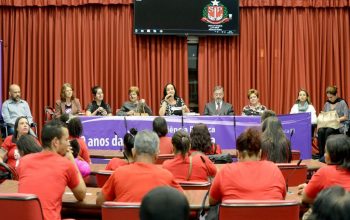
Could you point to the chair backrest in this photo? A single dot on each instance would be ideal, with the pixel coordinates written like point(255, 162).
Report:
point(102, 176)
point(163, 157)
point(295, 154)
point(49, 113)
point(294, 175)
point(259, 209)
point(20, 206)
point(194, 185)
point(120, 210)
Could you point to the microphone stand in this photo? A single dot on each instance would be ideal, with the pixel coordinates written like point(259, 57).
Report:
point(234, 126)
point(182, 121)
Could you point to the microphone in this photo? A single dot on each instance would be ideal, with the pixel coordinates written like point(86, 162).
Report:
point(125, 125)
point(182, 121)
point(115, 133)
point(234, 126)
point(293, 171)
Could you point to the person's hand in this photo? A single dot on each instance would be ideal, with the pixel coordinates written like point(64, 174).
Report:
point(69, 154)
point(167, 97)
point(301, 188)
point(131, 112)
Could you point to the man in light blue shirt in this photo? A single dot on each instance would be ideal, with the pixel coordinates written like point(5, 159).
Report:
point(15, 107)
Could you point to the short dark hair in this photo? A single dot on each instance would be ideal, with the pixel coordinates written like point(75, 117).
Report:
point(52, 129)
point(249, 142)
point(331, 203)
point(338, 149)
point(333, 90)
point(15, 133)
point(26, 144)
point(181, 141)
point(75, 147)
point(94, 89)
point(267, 113)
point(129, 139)
point(164, 203)
point(200, 138)
point(75, 127)
point(160, 126)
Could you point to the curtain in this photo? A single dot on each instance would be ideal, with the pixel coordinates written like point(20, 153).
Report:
point(87, 45)
point(279, 50)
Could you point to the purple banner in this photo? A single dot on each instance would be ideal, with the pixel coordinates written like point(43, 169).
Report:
point(108, 132)
point(0, 75)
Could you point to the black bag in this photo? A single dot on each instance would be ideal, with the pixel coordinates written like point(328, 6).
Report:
point(220, 158)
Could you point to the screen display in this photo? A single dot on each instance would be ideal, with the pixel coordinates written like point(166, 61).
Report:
point(186, 17)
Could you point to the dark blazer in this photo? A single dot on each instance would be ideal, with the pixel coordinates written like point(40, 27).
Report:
point(60, 107)
point(226, 109)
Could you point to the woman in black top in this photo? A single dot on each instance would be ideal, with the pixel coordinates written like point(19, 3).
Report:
point(98, 106)
point(172, 104)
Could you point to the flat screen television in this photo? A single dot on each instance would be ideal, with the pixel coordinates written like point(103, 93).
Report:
point(186, 17)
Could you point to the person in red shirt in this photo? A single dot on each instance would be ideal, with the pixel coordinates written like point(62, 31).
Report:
point(48, 173)
point(201, 140)
point(130, 183)
point(9, 148)
point(249, 178)
point(161, 128)
point(128, 146)
point(75, 129)
point(337, 172)
point(196, 167)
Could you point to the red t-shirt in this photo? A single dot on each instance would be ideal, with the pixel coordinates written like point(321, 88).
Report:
point(165, 145)
point(84, 152)
point(249, 180)
point(115, 163)
point(326, 177)
point(179, 167)
point(12, 151)
point(46, 175)
point(130, 183)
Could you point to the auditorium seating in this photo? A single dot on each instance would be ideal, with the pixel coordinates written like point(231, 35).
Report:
point(102, 177)
point(120, 210)
point(259, 209)
point(194, 185)
point(162, 157)
point(49, 113)
point(20, 206)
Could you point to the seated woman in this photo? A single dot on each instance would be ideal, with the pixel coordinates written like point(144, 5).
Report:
point(68, 103)
point(337, 171)
point(82, 165)
point(128, 146)
point(303, 104)
point(337, 104)
point(201, 140)
point(9, 148)
point(250, 177)
point(160, 127)
point(172, 104)
point(98, 106)
point(187, 167)
point(254, 108)
point(274, 144)
point(27, 144)
point(75, 129)
point(134, 105)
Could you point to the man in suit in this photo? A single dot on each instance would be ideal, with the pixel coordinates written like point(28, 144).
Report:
point(218, 106)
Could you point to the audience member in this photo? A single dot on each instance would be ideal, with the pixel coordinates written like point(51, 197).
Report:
point(67, 102)
point(82, 165)
point(160, 127)
point(218, 106)
point(9, 148)
point(187, 167)
point(337, 104)
point(274, 144)
point(48, 173)
point(201, 140)
point(75, 129)
point(266, 114)
point(172, 104)
point(129, 139)
point(250, 177)
point(130, 183)
point(254, 107)
point(337, 171)
point(15, 107)
point(98, 107)
point(164, 203)
point(27, 144)
point(134, 105)
point(332, 203)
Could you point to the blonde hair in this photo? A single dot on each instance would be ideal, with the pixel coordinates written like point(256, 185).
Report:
point(332, 90)
point(63, 91)
point(134, 89)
